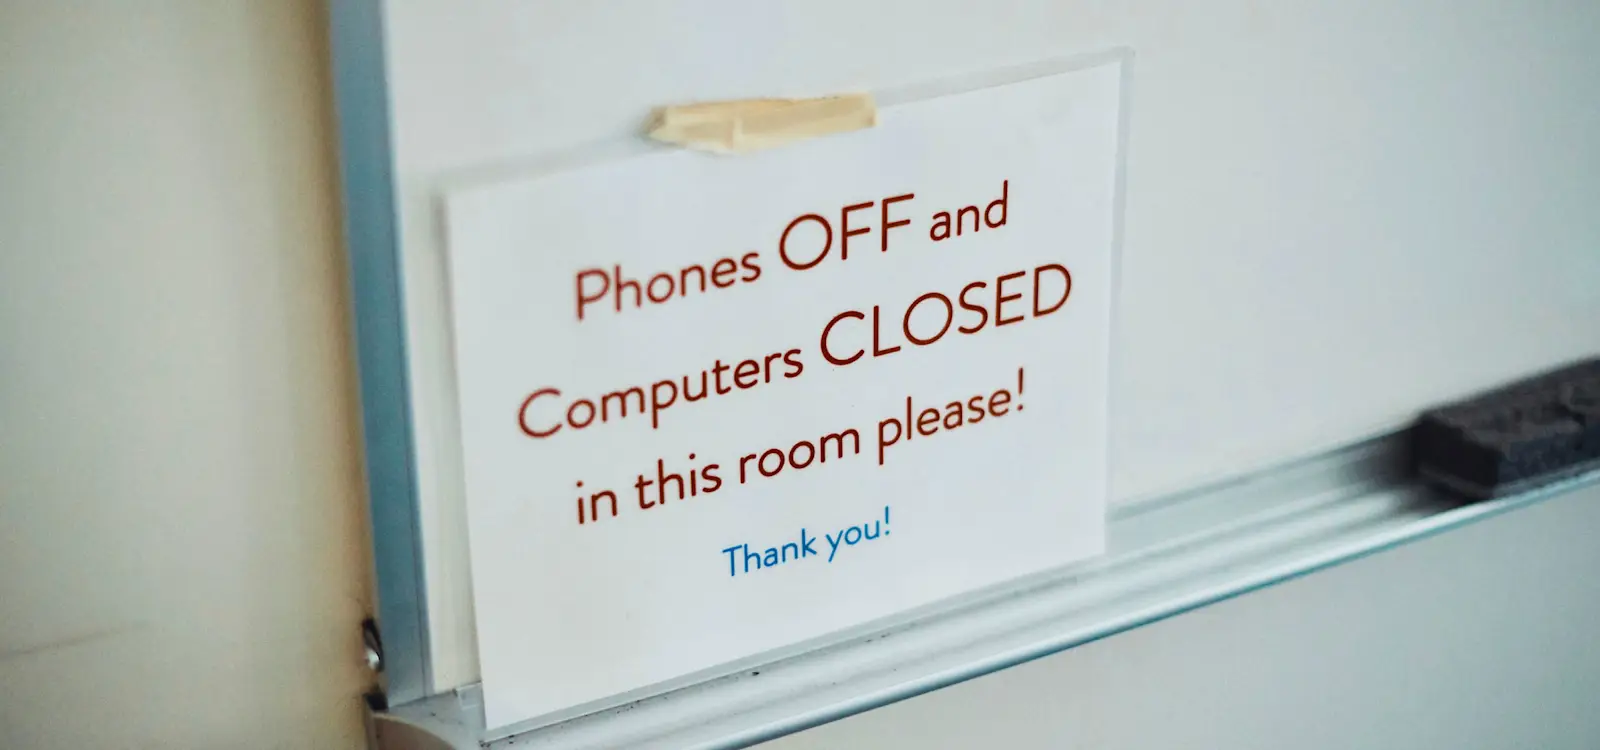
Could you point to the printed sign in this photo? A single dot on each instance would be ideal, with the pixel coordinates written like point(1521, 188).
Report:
point(713, 406)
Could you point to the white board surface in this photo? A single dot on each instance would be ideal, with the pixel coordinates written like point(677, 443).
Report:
point(801, 390)
point(1335, 213)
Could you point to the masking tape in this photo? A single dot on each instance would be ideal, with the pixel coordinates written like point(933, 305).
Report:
point(745, 125)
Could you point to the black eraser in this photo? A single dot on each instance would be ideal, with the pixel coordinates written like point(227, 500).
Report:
point(1514, 438)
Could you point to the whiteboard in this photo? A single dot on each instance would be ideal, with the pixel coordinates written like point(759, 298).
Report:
point(1331, 217)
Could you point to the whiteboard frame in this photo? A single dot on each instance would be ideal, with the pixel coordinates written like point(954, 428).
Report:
point(1265, 118)
point(1310, 535)
point(366, 162)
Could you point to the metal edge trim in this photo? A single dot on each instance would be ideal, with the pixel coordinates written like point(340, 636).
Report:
point(361, 101)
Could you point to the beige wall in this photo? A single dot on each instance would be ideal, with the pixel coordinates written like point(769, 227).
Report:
point(181, 518)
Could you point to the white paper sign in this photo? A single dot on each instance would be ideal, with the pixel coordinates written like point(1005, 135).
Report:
point(713, 406)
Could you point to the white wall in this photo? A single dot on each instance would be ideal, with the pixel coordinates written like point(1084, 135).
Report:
point(182, 555)
point(1481, 639)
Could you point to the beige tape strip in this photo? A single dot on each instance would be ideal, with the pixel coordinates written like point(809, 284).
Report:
point(742, 126)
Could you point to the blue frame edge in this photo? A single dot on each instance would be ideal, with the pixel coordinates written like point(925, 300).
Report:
point(361, 100)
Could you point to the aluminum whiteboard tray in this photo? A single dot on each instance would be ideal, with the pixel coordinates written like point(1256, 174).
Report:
point(1167, 556)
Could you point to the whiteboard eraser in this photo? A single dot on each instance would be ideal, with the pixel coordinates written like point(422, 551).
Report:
point(1514, 438)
